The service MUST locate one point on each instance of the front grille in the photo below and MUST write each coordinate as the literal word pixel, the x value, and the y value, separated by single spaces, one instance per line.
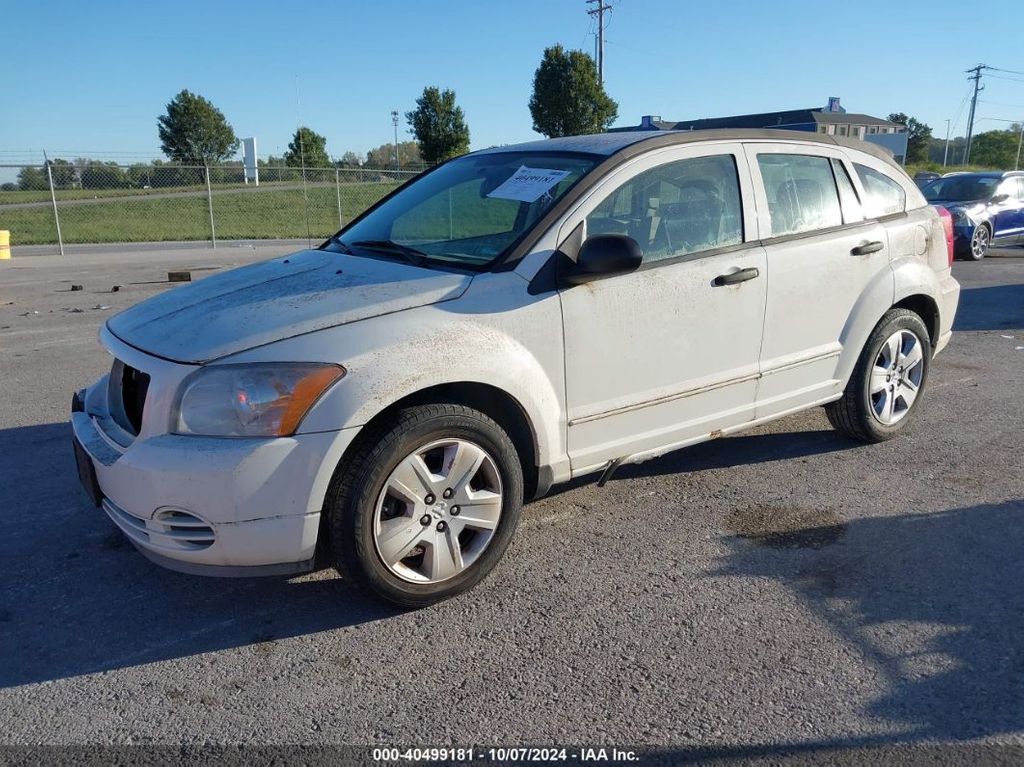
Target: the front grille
pixel 134 385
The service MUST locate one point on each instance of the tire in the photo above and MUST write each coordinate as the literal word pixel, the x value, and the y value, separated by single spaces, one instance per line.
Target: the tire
pixel 375 506
pixel 876 417
pixel 981 241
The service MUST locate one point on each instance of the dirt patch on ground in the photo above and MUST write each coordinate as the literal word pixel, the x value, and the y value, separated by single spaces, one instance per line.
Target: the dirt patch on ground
pixel 786 527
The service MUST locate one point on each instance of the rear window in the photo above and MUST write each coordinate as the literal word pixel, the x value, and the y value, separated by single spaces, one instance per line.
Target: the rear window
pixel 882 195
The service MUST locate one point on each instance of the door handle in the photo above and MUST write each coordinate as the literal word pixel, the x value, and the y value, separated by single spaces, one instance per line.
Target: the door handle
pixel 866 248
pixel 735 278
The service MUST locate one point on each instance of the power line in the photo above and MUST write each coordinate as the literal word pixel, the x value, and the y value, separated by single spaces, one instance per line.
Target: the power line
pixel 1008 79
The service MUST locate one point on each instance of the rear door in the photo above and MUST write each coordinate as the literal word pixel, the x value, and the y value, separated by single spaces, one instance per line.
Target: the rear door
pixel 822 251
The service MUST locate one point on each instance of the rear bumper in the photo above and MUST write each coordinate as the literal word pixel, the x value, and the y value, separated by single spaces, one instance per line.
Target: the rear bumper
pixel 949 300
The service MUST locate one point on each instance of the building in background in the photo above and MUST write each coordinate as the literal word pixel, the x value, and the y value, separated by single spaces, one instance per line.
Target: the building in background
pixel 832 120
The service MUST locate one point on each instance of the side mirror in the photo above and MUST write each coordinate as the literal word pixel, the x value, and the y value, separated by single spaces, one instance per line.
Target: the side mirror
pixel 998 198
pixel 604 255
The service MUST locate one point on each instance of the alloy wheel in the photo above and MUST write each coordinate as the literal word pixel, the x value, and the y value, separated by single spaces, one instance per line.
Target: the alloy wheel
pixel 896 376
pixel 980 242
pixel 438 511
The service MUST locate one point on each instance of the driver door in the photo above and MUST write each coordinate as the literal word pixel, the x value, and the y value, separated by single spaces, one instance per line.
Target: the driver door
pixel 665 355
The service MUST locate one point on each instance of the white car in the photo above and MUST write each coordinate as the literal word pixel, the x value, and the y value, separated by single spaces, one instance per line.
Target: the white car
pixel 509 320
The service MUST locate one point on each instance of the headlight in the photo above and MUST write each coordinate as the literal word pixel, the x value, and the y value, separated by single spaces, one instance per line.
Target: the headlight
pixel 250 400
pixel 959 216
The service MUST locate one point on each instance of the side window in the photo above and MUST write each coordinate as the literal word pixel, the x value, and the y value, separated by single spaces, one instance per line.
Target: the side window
pixel 883 196
pixel 852 211
pixel 801 191
pixel 1020 188
pixel 676 209
pixel 1012 188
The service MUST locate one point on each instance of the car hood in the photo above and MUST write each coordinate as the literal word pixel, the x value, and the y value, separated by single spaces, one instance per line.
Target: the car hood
pixel 277 299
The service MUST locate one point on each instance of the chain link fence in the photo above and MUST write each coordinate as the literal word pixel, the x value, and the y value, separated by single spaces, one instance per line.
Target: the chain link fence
pixel 62 204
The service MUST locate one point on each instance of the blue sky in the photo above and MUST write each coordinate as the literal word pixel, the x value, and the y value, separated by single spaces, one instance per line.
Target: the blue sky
pixel 90 78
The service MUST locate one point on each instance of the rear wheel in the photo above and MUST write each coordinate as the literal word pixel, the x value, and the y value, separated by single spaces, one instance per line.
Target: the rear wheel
pixel 426 505
pixel 980 242
pixel 888 381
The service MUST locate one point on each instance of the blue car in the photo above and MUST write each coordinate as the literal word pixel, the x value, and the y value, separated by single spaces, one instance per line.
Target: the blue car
pixel 987 209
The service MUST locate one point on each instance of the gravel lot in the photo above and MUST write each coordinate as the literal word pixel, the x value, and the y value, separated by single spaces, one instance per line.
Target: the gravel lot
pixel 784 587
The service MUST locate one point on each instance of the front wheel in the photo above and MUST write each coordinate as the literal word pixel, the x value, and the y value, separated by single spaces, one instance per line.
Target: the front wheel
pixel 888 380
pixel 426 505
pixel 980 242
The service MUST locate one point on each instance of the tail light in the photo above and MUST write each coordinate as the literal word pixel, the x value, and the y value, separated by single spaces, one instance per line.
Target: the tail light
pixel 947 227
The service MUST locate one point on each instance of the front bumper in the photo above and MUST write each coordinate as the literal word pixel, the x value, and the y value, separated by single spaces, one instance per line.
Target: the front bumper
pixel 216 506
pixel 206 505
pixel 962 235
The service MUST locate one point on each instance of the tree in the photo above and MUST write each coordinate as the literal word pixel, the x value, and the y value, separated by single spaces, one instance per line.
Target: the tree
pixel 63 174
pixel 139 175
pixel 307 148
pixel 384 155
pixel 919 136
pixel 350 160
pixel 102 175
pixel 439 125
pixel 568 98
pixel 996 148
pixel 8 186
pixel 32 179
pixel 195 132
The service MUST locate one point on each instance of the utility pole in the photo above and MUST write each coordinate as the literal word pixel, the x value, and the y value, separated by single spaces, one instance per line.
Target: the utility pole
pixel 394 121
pixel 974 103
pixel 598 10
pixel 945 154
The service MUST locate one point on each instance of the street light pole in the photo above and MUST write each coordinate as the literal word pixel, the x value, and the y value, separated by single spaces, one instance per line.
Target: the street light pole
pixel 394 121
pixel 1020 140
pixel 945 154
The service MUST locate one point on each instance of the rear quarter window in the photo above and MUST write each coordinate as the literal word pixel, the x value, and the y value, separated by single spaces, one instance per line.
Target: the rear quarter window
pixel 882 195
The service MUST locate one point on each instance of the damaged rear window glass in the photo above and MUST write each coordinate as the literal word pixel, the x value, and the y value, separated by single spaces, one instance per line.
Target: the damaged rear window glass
pixel 471 210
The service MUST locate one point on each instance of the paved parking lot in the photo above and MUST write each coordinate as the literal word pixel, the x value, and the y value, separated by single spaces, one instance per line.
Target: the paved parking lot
pixel 785 586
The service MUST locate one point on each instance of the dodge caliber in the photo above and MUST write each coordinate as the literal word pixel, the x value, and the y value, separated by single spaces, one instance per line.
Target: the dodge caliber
pixel 512 319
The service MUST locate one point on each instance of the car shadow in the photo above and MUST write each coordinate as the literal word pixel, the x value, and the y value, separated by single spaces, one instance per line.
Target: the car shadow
pixel 78 599
pixel 932 601
pixel 996 307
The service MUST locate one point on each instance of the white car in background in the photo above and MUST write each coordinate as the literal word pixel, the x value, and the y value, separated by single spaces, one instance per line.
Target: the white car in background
pixel 509 320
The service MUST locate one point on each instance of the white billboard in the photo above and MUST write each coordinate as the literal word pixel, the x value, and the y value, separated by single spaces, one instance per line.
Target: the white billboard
pixel 252 169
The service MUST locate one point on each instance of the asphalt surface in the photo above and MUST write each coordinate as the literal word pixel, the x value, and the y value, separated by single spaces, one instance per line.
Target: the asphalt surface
pixel 784 588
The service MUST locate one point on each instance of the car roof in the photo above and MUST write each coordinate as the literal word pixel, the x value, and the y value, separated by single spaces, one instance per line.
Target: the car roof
pixel 989 173
pixel 634 142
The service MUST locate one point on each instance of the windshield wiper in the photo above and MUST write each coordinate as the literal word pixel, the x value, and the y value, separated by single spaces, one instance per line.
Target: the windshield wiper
pixel 413 256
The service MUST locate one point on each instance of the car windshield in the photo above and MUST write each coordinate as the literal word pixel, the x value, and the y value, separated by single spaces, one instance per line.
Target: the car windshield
pixel 960 188
pixel 469 211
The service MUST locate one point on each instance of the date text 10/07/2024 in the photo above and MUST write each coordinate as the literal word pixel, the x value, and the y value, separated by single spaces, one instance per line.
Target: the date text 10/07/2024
pixel 504 755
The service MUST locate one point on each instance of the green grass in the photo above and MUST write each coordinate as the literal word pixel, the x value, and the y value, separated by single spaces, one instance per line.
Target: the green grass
pixel 264 214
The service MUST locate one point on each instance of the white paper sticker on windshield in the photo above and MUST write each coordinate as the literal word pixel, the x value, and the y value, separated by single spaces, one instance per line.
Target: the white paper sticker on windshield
pixel 528 184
